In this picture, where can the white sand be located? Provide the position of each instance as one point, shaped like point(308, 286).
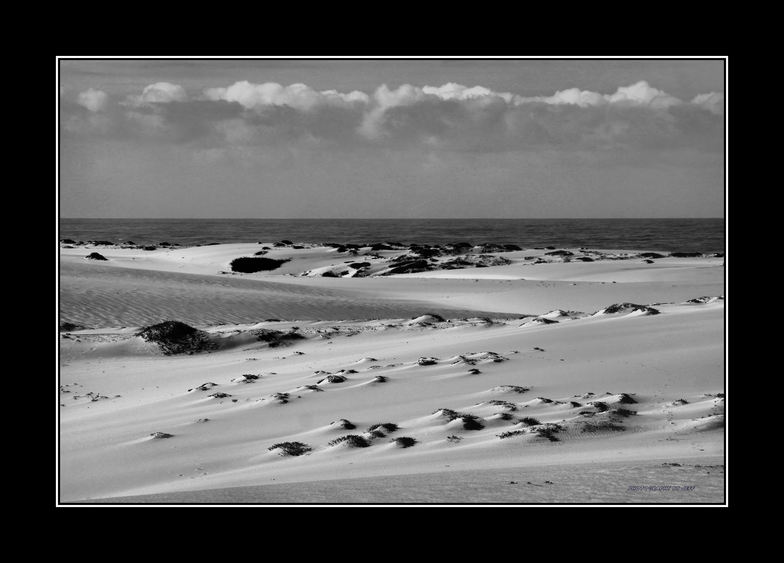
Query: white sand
point(107, 451)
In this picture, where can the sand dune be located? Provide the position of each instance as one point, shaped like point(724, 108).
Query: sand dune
point(443, 416)
point(289, 385)
point(115, 297)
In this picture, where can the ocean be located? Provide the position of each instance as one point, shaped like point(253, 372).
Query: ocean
point(670, 235)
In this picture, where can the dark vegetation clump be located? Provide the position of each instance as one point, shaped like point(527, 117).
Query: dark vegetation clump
point(204, 386)
point(409, 267)
point(276, 338)
point(313, 388)
point(448, 413)
point(343, 423)
point(68, 241)
point(530, 421)
point(425, 251)
point(333, 379)
point(291, 448)
point(505, 416)
point(249, 265)
point(161, 435)
point(514, 388)
point(560, 253)
point(471, 422)
point(651, 255)
point(376, 433)
point(599, 406)
point(352, 441)
point(685, 254)
point(388, 426)
point(548, 431)
point(404, 442)
point(622, 412)
point(506, 404)
point(626, 399)
point(281, 398)
point(260, 253)
point(248, 377)
point(511, 433)
point(174, 337)
point(69, 327)
point(150, 247)
point(457, 264)
point(96, 256)
point(380, 379)
point(220, 395)
point(453, 439)
point(630, 307)
point(603, 425)
point(427, 361)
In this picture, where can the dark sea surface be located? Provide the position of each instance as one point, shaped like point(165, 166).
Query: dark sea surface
point(672, 235)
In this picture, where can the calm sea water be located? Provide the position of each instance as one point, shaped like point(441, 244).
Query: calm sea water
point(686, 235)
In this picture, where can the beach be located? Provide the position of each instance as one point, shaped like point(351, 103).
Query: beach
point(389, 373)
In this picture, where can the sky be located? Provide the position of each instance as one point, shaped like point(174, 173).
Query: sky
point(509, 138)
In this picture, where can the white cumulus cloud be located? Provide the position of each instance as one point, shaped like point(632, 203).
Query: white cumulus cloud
point(298, 96)
point(160, 93)
point(93, 100)
point(643, 93)
point(713, 102)
point(450, 116)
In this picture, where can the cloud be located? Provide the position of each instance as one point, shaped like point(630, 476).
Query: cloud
point(571, 96)
point(713, 102)
point(642, 93)
point(447, 117)
point(93, 100)
point(298, 96)
point(160, 93)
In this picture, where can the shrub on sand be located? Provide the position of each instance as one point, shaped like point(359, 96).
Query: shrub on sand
point(404, 441)
point(174, 337)
point(276, 338)
point(290, 448)
point(388, 426)
point(249, 265)
point(352, 441)
point(471, 422)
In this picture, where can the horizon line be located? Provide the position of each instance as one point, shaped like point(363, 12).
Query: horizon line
point(382, 218)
